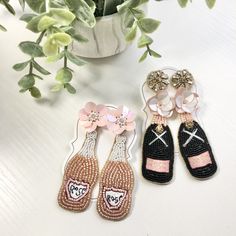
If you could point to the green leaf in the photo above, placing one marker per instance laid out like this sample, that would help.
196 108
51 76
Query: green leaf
122 8
76 36
27 17
8 7
64 75
61 39
63 16
31 48
148 25
22 3
52 44
128 19
35 92
40 68
57 87
130 4
80 38
82 11
136 3
27 82
183 3
144 40
20 66
33 23
23 90
70 88
37 76
56 57
50 48
110 7
57 4
2 28
38 6
75 59
210 3
138 13
66 28
46 22
154 54
130 36
144 56
92 5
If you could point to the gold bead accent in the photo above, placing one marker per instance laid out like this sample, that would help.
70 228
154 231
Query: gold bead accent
182 78
189 124
157 80
159 128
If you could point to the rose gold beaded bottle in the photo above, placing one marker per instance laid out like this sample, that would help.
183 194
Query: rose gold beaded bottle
81 172
80 176
117 178
116 183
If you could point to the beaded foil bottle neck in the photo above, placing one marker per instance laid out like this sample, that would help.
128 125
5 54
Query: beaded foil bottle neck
88 148
118 152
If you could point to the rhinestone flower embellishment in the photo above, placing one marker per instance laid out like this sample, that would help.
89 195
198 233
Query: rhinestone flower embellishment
186 101
182 78
120 119
157 80
93 116
161 104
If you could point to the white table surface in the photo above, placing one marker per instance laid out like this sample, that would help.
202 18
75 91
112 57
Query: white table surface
35 135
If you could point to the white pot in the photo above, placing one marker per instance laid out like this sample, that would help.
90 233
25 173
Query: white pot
105 39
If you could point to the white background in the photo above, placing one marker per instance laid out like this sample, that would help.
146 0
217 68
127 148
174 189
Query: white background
35 135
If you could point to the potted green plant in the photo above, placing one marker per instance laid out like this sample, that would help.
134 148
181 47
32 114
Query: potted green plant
107 36
64 28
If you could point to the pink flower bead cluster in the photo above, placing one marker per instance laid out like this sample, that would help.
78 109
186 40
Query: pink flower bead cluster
185 101
162 104
116 120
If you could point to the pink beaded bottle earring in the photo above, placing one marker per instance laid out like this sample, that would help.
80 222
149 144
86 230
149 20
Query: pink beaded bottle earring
81 171
117 178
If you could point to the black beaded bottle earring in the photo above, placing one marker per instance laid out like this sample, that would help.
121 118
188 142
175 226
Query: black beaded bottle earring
158 147
193 143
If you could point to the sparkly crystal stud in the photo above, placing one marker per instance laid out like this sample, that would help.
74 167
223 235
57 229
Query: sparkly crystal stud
157 80
182 78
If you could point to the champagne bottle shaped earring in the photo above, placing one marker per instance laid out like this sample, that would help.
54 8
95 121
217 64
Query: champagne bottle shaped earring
193 142
158 147
81 171
117 178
